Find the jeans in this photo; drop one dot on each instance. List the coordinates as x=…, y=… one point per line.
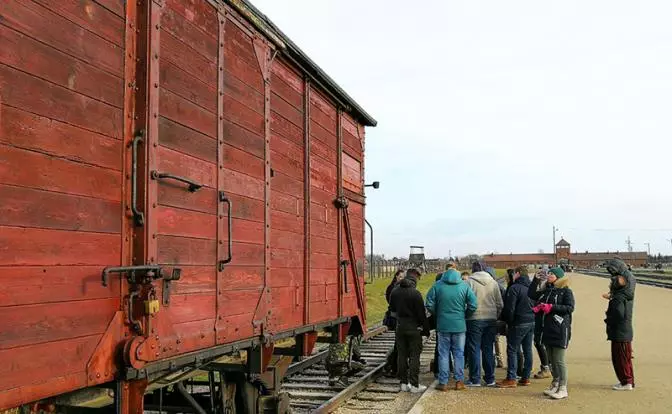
x=516, y=336
x=480, y=342
x=451, y=343
x=409, y=347
x=556, y=357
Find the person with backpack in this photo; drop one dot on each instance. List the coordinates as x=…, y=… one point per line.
x=556, y=302
x=451, y=301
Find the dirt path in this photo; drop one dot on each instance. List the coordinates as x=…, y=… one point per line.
x=589, y=362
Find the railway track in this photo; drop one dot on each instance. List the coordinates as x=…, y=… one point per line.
x=307, y=382
x=643, y=279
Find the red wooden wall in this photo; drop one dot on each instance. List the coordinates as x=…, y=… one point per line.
x=67, y=116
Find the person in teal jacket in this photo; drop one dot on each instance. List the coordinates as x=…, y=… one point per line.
x=451, y=300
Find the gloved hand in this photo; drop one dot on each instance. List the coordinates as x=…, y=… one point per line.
x=538, y=308
x=547, y=308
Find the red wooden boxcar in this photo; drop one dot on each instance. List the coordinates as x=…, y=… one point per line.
x=197, y=155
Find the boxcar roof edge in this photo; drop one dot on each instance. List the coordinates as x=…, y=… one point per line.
x=258, y=19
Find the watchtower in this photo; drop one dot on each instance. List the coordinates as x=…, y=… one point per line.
x=417, y=258
x=562, y=249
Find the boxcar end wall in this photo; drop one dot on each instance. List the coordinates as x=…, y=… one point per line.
x=174, y=134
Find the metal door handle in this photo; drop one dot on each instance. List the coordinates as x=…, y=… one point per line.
x=224, y=199
x=138, y=216
x=193, y=186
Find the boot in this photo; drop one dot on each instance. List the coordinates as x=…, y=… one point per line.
x=552, y=389
x=544, y=372
x=561, y=393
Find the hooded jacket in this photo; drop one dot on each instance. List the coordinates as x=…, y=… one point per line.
x=617, y=267
x=556, y=329
x=619, y=316
x=451, y=301
x=488, y=296
x=407, y=306
x=517, y=304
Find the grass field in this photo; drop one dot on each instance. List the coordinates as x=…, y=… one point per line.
x=376, y=305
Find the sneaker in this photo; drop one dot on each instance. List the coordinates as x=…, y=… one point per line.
x=417, y=390
x=441, y=387
x=491, y=384
x=459, y=386
x=543, y=373
x=524, y=382
x=507, y=383
x=560, y=393
x=552, y=389
x=472, y=384
x=621, y=387
x=405, y=387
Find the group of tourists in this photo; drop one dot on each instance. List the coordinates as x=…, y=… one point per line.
x=469, y=311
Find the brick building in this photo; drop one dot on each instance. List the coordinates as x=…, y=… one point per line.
x=563, y=252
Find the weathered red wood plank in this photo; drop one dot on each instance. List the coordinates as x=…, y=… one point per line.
x=243, y=139
x=352, y=145
x=115, y=6
x=186, y=113
x=289, y=317
x=287, y=240
x=200, y=13
x=240, y=58
x=322, y=245
x=241, y=92
x=281, y=257
x=239, y=301
x=286, y=110
x=287, y=204
x=323, y=198
x=189, y=308
x=53, y=386
x=289, y=149
x=240, y=44
x=321, y=311
x=323, y=260
x=195, y=279
x=43, y=98
x=243, y=162
x=321, y=229
x=242, y=184
x=323, y=151
x=187, y=59
x=286, y=222
x=27, y=207
x=54, y=30
x=319, y=118
x=286, y=92
x=320, y=276
x=246, y=254
x=44, y=284
x=182, y=139
x=202, y=172
x=25, y=246
x=186, y=223
x=283, y=127
x=242, y=277
x=246, y=208
x=182, y=250
x=323, y=212
x=195, y=335
x=21, y=52
x=349, y=125
x=185, y=85
x=243, y=115
x=324, y=106
x=324, y=293
x=203, y=200
x=235, y=327
x=39, y=363
x=25, y=130
x=246, y=231
x=286, y=276
x=286, y=184
x=352, y=178
x=34, y=324
x=285, y=165
x=56, y=174
x=189, y=34
x=323, y=175
x=326, y=137
x=90, y=16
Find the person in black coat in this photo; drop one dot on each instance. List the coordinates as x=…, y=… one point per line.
x=407, y=304
x=619, y=325
x=390, y=321
x=556, y=302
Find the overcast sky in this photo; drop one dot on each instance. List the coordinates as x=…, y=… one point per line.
x=499, y=119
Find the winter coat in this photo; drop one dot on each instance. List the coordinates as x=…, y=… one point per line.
x=451, y=301
x=488, y=296
x=617, y=267
x=556, y=330
x=407, y=306
x=619, y=316
x=517, y=304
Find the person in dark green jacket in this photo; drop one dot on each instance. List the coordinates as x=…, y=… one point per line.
x=451, y=300
x=619, y=323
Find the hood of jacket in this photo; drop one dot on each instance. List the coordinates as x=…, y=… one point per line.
x=451, y=277
x=617, y=267
x=408, y=282
x=525, y=280
x=482, y=278
x=478, y=266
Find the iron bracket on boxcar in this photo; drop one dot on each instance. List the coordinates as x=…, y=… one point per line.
x=192, y=185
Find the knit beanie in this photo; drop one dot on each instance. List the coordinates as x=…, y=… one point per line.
x=558, y=272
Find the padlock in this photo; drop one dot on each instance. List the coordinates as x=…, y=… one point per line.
x=151, y=304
